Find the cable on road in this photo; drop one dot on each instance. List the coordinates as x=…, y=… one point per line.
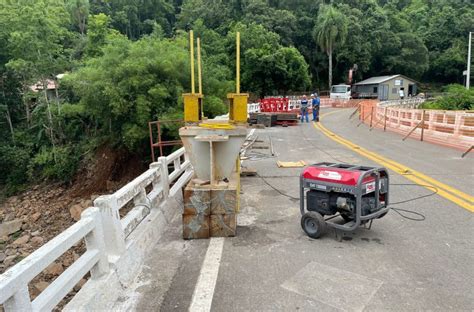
x=400, y=210
x=276, y=189
x=434, y=192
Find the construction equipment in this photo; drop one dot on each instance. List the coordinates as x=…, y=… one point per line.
x=211, y=198
x=358, y=194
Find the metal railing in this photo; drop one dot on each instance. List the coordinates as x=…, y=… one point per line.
x=405, y=103
x=105, y=235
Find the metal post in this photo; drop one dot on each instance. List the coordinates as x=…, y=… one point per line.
x=467, y=152
x=422, y=124
x=159, y=139
x=371, y=115
x=237, y=63
x=468, y=74
x=191, y=49
x=199, y=65
x=385, y=119
x=151, y=142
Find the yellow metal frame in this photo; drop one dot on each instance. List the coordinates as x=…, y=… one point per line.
x=238, y=107
x=192, y=107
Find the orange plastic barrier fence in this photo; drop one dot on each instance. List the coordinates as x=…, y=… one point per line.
x=449, y=128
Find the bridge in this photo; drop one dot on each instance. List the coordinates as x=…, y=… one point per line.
x=418, y=257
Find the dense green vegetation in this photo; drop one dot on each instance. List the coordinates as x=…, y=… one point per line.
x=127, y=63
x=456, y=97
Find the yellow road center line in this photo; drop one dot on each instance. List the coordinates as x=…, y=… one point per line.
x=460, y=198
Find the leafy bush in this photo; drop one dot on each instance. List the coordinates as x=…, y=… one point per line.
x=457, y=98
x=54, y=163
x=13, y=168
x=213, y=106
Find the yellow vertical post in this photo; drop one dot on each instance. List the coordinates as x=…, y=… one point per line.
x=199, y=65
x=191, y=48
x=237, y=100
x=192, y=101
x=237, y=64
x=200, y=76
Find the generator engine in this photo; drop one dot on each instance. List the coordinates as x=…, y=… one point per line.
x=356, y=193
x=330, y=203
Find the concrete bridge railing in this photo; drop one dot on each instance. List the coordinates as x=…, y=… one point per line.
x=115, y=247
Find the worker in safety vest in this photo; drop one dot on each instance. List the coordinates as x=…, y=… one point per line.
x=304, y=108
x=315, y=103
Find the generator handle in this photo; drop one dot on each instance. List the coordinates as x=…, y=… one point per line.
x=302, y=210
x=379, y=172
x=376, y=172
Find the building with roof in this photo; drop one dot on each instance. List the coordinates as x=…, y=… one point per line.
x=385, y=88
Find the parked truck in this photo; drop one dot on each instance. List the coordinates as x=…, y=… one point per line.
x=340, y=92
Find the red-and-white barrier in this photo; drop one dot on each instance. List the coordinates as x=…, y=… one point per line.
x=282, y=105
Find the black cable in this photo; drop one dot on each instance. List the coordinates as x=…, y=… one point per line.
x=415, y=198
x=280, y=192
x=400, y=210
x=397, y=210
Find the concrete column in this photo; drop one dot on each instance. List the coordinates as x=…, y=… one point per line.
x=95, y=240
x=164, y=176
x=112, y=228
x=19, y=302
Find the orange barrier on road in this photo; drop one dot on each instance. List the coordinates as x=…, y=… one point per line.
x=449, y=128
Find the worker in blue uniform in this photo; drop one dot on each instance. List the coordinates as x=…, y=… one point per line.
x=315, y=103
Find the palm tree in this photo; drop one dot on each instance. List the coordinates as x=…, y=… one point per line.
x=329, y=31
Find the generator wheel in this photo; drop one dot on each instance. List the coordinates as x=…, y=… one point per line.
x=313, y=224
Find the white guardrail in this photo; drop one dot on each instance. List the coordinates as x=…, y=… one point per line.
x=105, y=235
x=405, y=103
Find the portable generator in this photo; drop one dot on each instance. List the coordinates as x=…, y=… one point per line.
x=357, y=194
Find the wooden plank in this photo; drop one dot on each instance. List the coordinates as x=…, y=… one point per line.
x=223, y=225
x=195, y=226
x=248, y=172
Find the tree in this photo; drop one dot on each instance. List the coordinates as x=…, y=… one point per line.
x=268, y=67
x=131, y=84
x=330, y=31
x=410, y=56
x=291, y=70
x=36, y=47
x=79, y=11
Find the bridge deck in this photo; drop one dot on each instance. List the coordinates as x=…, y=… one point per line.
x=271, y=265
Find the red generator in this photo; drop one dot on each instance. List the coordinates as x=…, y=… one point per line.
x=357, y=194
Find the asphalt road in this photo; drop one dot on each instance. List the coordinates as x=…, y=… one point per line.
x=271, y=265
